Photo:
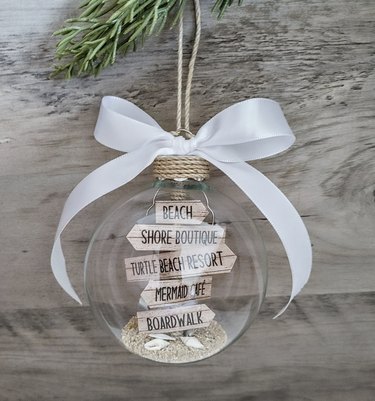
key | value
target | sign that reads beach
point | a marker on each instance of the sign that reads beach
(159, 293)
(195, 261)
(177, 212)
(174, 319)
(173, 237)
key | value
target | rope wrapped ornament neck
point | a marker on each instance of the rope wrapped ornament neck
(184, 167)
(181, 168)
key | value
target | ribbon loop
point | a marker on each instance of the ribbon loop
(249, 130)
(182, 146)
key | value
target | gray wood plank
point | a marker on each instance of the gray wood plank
(316, 58)
(322, 351)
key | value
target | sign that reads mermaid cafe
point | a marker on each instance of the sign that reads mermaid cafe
(174, 319)
(177, 212)
(159, 293)
(172, 237)
(189, 261)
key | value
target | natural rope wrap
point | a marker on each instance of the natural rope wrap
(178, 195)
(181, 167)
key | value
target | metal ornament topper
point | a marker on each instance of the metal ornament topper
(257, 128)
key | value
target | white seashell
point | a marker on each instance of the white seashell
(192, 342)
(156, 344)
(162, 336)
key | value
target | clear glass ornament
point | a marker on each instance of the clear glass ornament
(219, 286)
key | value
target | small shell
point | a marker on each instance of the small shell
(156, 344)
(192, 342)
(162, 336)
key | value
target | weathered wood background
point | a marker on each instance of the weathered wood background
(317, 59)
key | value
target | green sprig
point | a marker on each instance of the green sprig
(221, 6)
(106, 28)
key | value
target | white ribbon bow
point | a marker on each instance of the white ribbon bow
(249, 130)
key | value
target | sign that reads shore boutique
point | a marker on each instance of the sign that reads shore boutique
(173, 237)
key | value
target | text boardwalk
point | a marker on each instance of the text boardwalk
(174, 319)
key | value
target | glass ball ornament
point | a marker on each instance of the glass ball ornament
(177, 273)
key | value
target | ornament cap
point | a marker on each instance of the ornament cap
(181, 168)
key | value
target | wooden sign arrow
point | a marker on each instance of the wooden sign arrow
(174, 319)
(173, 237)
(171, 291)
(199, 261)
(174, 212)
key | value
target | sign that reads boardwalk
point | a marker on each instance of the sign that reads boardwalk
(173, 237)
(158, 293)
(174, 319)
(175, 212)
(187, 262)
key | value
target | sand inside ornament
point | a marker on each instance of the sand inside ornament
(213, 339)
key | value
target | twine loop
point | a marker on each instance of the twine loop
(180, 166)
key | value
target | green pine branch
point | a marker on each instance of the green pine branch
(107, 28)
(221, 6)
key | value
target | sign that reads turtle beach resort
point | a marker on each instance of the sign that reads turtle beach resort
(189, 261)
(190, 253)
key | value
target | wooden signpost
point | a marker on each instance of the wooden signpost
(175, 319)
(161, 293)
(190, 253)
(187, 262)
(173, 237)
(175, 212)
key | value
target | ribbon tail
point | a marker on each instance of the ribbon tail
(280, 213)
(101, 181)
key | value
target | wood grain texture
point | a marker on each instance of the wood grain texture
(317, 59)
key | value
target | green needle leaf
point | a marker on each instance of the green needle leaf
(106, 28)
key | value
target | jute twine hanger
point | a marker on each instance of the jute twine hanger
(184, 167)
